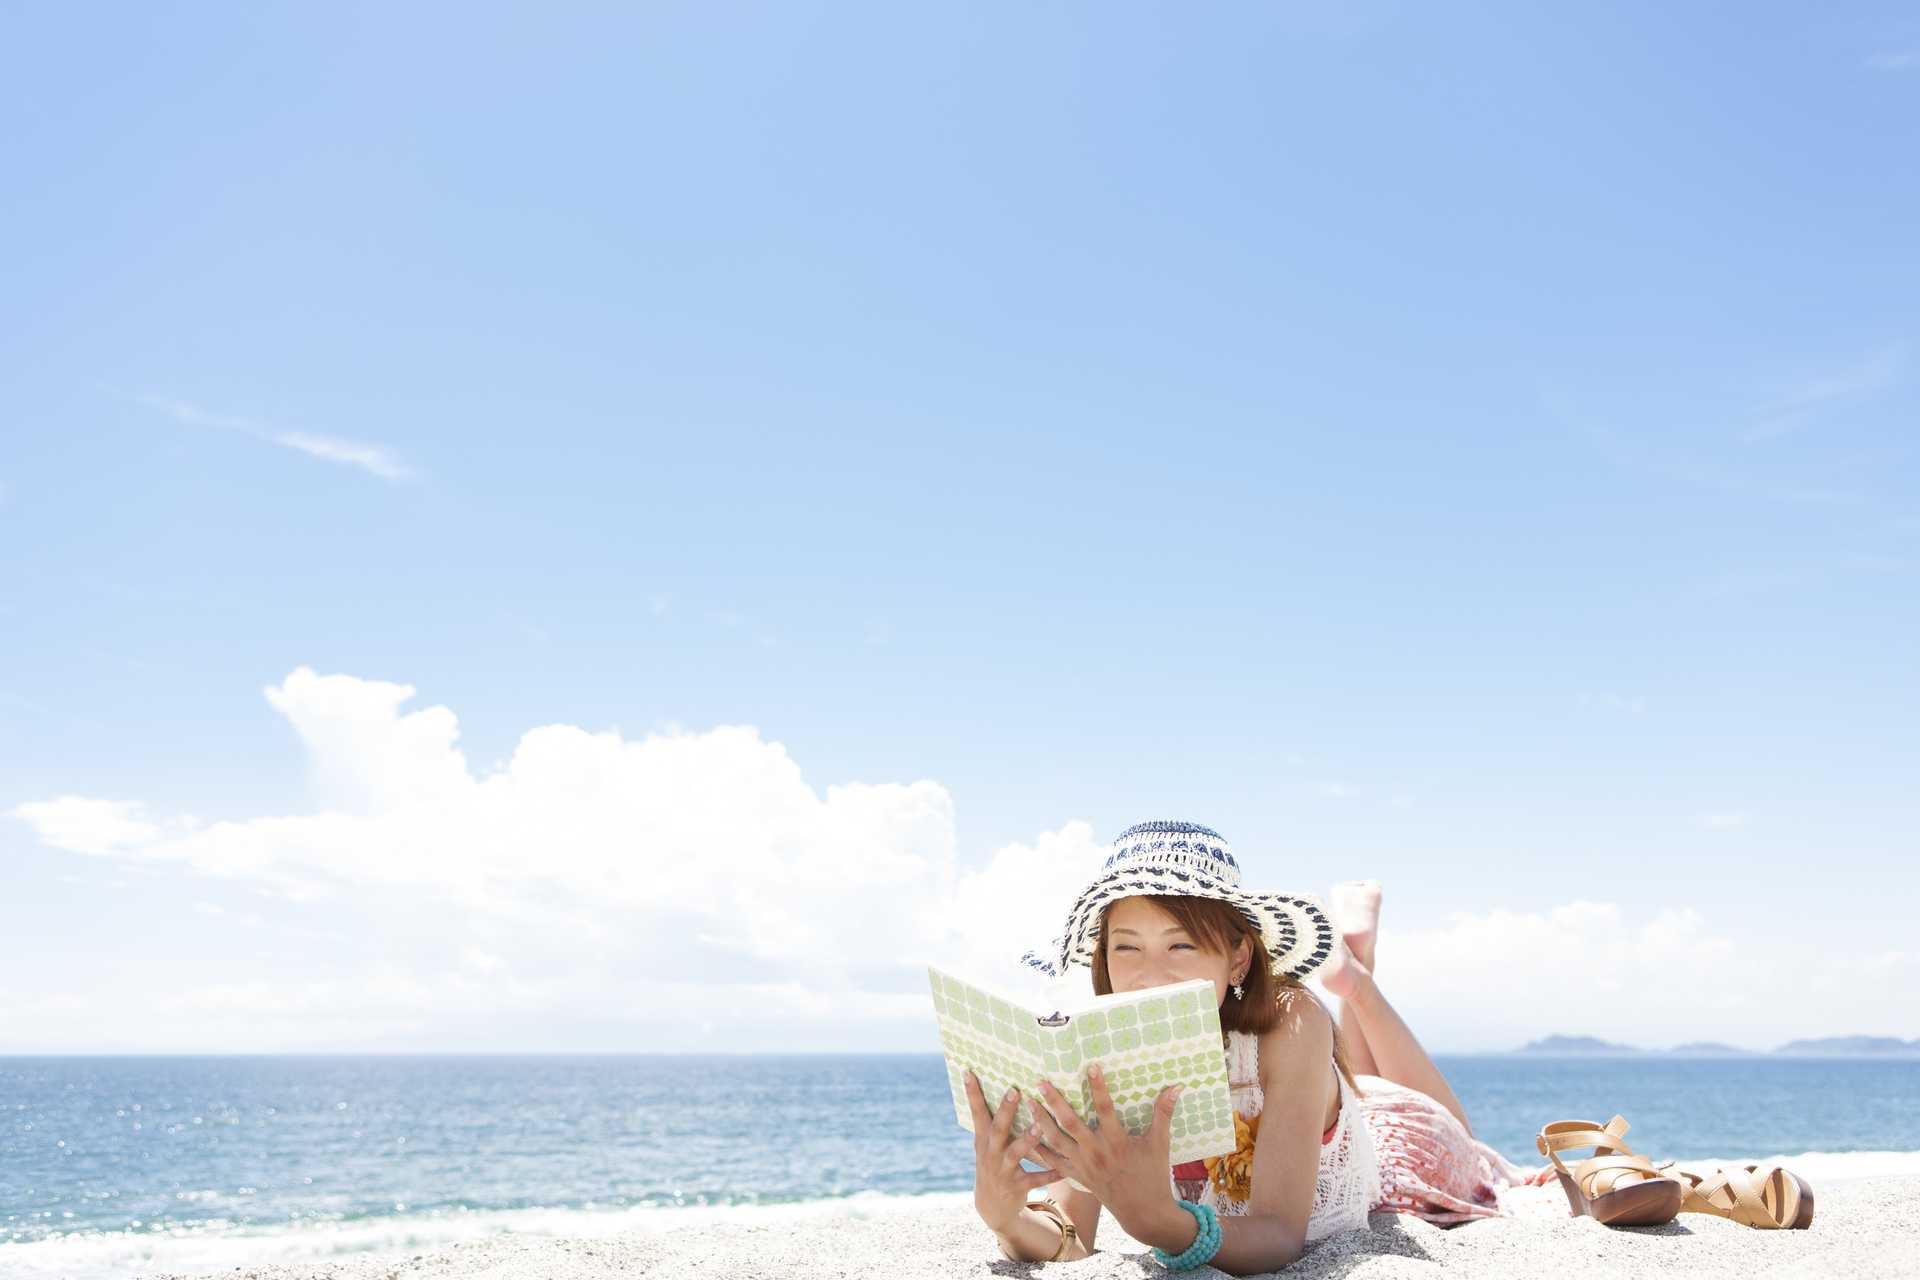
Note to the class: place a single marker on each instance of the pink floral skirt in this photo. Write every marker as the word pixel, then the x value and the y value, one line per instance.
pixel 1430 1166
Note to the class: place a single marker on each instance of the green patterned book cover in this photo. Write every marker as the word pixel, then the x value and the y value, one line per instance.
pixel 1143 1041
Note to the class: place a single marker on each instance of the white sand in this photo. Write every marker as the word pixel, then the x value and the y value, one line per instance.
pixel 1867 1227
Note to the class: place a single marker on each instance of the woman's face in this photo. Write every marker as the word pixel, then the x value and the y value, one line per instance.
pixel 1146 947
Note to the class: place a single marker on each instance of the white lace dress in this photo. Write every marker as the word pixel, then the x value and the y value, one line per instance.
pixel 1348 1185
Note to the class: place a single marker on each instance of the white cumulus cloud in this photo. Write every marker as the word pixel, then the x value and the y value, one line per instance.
pixel 589 860
pixel 1493 981
pixel 597 890
pixel 80 825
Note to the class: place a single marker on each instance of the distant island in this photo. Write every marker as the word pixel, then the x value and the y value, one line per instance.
pixel 1852 1047
pixel 1578 1047
pixel 1710 1049
pixel 1558 1046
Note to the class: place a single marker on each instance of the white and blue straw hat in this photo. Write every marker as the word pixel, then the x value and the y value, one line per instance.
pixel 1183 859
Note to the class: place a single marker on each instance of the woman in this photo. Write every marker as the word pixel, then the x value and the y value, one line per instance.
pixel 1333 1122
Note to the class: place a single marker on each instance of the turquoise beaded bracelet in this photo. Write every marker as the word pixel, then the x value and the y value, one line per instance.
pixel 1205 1244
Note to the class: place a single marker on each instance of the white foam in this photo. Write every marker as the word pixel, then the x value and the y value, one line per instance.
pixel 115 1255
pixel 1830 1166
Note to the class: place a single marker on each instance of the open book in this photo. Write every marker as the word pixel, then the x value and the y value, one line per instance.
pixel 1143 1041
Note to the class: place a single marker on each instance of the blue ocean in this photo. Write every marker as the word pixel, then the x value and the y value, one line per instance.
pixel 117 1166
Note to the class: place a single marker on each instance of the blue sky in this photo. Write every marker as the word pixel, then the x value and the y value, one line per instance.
pixel 1470 447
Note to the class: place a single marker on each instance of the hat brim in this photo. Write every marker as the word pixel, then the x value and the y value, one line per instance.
pixel 1296 931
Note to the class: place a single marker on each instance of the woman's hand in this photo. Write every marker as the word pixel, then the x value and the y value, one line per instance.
pixel 1129 1175
pixel 1000 1185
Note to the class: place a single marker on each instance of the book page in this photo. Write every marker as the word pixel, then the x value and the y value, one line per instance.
pixel 1166 1036
pixel 1144 1041
pixel 996 1039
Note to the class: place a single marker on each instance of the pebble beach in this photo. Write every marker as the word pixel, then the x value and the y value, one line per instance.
pixel 1864 1227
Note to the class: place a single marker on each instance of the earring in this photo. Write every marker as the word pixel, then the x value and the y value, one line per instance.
pixel 1239 992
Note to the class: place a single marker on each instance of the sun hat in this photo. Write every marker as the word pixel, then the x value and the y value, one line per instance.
pixel 1184 859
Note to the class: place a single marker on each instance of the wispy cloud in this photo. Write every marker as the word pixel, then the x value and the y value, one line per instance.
pixel 1795 406
pixel 1895 62
pixel 369 457
pixel 374 459
pixel 1844 482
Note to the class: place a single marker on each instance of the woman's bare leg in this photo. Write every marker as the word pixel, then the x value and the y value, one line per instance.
pixel 1394 1048
pixel 1378 1042
pixel 1356 912
pixel 1353 1038
pixel 1340 978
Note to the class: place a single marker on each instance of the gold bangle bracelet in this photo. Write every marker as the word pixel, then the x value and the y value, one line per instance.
pixel 1047 1208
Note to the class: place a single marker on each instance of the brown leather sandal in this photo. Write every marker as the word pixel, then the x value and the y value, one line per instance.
pixel 1615 1187
pixel 1768 1196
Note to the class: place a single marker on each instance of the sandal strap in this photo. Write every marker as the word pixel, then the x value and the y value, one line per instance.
pixel 1562 1134
pixel 1601 1174
pixel 1754 1195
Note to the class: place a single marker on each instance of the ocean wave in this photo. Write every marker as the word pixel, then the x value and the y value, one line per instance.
pixel 115 1255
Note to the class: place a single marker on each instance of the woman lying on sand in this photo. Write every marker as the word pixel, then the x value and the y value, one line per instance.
pixel 1360 1118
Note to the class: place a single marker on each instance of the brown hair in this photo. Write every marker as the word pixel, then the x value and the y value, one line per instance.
pixel 1217 926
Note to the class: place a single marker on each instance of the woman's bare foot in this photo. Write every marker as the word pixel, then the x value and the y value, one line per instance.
pixel 1356 914
pixel 1343 974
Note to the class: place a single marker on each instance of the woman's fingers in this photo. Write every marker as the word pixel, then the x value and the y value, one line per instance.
pixel 990 1130
pixel 1024 1148
pixel 1003 1118
pixel 1069 1123
pixel 1061 1150
pixel 1102 1100
pixel 1160 1131
pixel 1044 1125
pixel 977 1105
